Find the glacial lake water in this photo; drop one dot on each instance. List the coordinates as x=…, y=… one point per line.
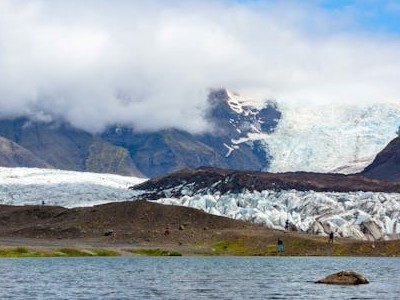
x=194, y=278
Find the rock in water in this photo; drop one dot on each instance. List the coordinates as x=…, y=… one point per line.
x=344, y=277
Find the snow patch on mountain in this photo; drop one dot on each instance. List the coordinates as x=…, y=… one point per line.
x=31, y=186
x=243, y=105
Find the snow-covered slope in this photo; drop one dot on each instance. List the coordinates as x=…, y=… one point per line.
x=20, y=186
x=340, y=138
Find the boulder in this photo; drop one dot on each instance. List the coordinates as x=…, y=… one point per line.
x=109, y=232
x=344, y=277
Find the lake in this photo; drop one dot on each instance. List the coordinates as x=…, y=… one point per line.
x=194, y=278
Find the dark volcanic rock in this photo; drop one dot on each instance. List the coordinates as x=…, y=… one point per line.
x=387, y=163
x=345, y=278
x=211, y=180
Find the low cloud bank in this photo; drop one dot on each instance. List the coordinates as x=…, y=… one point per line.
x=151, y=65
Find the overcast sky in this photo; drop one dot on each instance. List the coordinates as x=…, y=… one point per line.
x=150, y=64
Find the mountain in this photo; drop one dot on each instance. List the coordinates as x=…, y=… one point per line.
x=386, y=165
x=245, y=134
x=164, y=151
x=350, y=205
x=13, y=155
x=125, y=151
x=64, y=147
x=227, y=146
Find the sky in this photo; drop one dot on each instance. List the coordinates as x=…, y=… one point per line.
x=151, y=64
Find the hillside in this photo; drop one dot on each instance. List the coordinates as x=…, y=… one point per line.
x=13, y=155
x=386, y=164
x=64, y=147
x=130, y=220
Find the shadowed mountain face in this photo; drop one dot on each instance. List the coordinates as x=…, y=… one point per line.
x=387, y=163
x=124, y=151
x=206, y=181
x=13, y=155
x=63, y=147
x=165, y=151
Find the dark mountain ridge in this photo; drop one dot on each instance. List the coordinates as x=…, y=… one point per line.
x=211, y=180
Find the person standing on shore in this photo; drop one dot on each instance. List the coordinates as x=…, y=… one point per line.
x=287, y=224
x=280, y=246
x=331, y=237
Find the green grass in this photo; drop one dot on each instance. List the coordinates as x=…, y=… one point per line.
x=271, y=250
x=63, y=252
x=231, y=247
x=340, y=250
x=155, y=252
x=20, y=252
x=71, y=252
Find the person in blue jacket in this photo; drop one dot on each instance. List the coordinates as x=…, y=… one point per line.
x=280, y=246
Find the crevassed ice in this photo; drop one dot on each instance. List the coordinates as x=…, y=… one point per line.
x=362, y=215
x=326, y=138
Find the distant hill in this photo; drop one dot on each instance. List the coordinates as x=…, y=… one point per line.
x=133, y=220
x=386, y=165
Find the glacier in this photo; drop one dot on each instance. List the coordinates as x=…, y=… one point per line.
x=313, y=137
x=360, y=215
x=31, y=186
x=331, y=138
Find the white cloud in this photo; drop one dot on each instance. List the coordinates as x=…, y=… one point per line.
x=150, y=65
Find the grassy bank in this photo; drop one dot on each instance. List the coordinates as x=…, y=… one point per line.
x=241, y=245
x=62, y=252
x=315, y=246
